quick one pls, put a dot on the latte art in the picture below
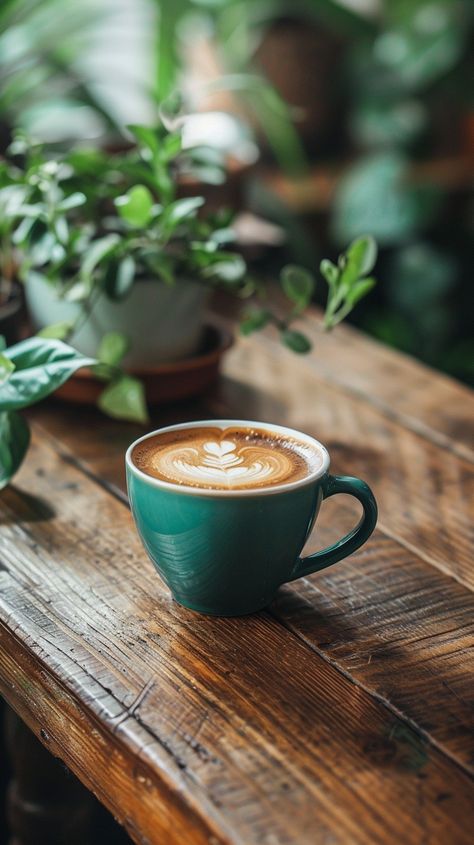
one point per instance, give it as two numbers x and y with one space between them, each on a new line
225 459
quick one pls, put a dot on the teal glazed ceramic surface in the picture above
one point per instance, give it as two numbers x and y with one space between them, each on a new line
226 552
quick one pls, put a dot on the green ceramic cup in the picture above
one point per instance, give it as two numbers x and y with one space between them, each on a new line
226 552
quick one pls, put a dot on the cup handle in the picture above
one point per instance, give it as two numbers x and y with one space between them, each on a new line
333 484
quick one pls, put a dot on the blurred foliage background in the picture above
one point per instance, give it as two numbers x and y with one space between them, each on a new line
339 117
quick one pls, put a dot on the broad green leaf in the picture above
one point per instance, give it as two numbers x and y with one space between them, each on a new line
296 341
119 278
362 254
112 348
230 267
98 250
12 198
179 210
135 207
6 368
61 229
46 250
79 291
298 284
329 271
124 399
72 201
3 343
14 442
359 290
57 331
254 320
23 230
41 366
223 236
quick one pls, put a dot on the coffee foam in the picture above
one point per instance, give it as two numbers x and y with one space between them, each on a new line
235 458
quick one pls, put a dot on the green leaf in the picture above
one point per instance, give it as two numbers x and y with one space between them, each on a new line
145 136
329 271
41 366
97 251
61 229
135 207
223 236
254 320
79 291
23 230
124 399
72 201
359 290
179 210
14 442
46 250
7 367
229 267
172 146
57 331
362 255
161 265
298 284
112 348
296 341
119 278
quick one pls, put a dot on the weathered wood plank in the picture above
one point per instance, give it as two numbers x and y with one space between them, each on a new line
251 735
425 493
420 398
389 619
423 400
398 627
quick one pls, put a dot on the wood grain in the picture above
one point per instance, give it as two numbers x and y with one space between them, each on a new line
421 399
407 391
387 618
400 625
197 729
425 494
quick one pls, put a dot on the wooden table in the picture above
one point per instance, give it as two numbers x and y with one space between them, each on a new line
343 713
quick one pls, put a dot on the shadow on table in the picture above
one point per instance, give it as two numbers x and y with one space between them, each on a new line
24 507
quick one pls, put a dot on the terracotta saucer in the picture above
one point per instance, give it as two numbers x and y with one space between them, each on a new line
163 382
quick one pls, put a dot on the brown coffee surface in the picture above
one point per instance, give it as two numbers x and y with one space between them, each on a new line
235 458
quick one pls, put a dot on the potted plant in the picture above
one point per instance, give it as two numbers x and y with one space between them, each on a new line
104 244
119 266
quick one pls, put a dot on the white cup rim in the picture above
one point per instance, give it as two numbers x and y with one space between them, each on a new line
234 494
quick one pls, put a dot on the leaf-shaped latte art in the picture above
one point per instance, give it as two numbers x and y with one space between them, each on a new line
219 449
234 459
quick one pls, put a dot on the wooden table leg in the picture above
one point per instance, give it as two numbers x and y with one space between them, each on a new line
46 804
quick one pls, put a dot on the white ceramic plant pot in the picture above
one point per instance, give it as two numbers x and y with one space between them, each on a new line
162 323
